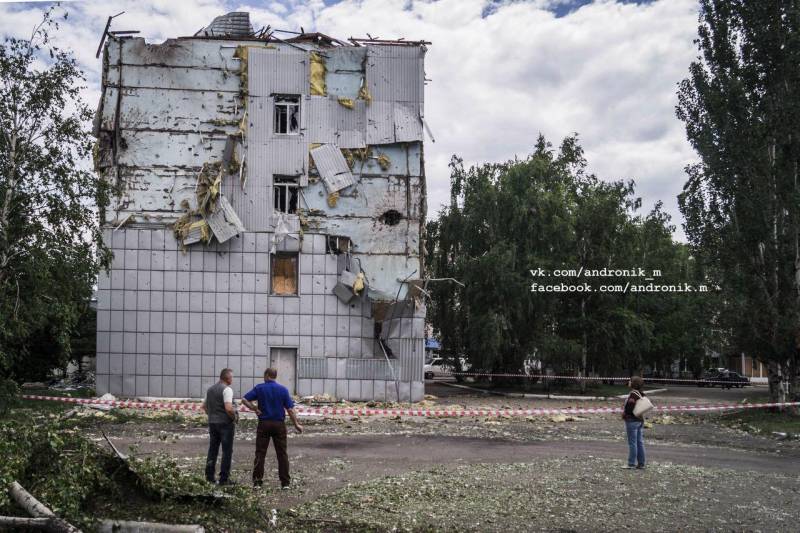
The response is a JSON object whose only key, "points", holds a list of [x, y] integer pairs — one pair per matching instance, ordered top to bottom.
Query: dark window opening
{"points": [[287, 114], [286, 194], [391, 217], [338, 245], [283, 274]]}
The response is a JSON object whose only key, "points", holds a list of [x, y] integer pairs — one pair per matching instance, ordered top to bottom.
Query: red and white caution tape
{"points": [[589, 378], [410, 412]]}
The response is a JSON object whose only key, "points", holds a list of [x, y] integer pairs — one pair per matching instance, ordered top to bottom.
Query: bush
{"points": [[9, 395]]}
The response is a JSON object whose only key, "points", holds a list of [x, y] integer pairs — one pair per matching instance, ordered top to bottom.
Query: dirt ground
{"points": [[515, 474]]}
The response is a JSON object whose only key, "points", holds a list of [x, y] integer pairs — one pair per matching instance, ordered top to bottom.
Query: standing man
{"points": [[273, 399], [218, 405]]}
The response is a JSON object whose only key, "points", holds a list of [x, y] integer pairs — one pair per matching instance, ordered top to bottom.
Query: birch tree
{"points": [[50, 246]]}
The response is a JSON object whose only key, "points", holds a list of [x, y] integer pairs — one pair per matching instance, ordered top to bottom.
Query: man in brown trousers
{"points": [[274, 401]]}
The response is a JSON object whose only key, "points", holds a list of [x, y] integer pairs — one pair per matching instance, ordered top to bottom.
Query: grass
{"points": [[762, 421]]}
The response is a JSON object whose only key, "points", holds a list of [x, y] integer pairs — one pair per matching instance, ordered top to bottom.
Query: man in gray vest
{"points": [[218, 405]]}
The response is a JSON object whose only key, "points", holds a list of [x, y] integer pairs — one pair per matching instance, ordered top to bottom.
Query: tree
{"points": [[741, 107], [546, 212], [50, 243]]}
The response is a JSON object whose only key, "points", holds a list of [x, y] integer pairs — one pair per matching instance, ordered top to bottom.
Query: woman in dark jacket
{"points": [[634, 425]]}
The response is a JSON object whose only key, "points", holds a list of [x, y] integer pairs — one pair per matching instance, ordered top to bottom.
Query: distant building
{"points": [[270, 210]]}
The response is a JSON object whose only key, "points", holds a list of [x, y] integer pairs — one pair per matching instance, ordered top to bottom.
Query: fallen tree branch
{"points": [[37, 509], [19, 521], [128, 526]]}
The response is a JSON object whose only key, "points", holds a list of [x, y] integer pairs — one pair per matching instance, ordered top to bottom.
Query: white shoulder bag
{"points": [[643, 405]]}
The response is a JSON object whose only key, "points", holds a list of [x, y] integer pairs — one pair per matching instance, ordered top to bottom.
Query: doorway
{"points": [[284, 360]]}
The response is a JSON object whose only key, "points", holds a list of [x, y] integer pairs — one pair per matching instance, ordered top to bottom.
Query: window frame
{"points": [[286, 101], [283, 184], [284, 255]]}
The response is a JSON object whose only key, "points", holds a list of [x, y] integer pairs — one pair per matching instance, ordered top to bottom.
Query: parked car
{"points": [[437, 367], [724, 378]]}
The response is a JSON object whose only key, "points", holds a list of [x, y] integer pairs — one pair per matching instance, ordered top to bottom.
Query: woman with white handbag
{"points": [[636, 405]]}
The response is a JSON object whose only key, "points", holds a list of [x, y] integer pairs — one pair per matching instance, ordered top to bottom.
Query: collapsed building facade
{"points": [[268, 211]]}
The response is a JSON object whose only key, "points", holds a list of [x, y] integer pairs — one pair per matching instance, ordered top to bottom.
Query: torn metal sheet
{"points": [[234, 24], [345, 70], [271, 71], [407, 122], [332, 167], [224, 221], [343, 292]]}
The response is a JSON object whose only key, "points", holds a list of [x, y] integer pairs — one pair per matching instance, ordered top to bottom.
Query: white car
{"points": [[436, 367]]}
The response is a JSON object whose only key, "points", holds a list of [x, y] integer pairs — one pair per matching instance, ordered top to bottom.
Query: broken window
{"points": [[287, 114], [285, 192], [337, 245], [284, 274]]}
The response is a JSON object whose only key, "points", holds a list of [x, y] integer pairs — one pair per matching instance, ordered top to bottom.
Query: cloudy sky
{"points": [[500, 72]]}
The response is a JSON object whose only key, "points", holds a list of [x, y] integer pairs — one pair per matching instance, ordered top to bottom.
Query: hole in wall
{"points": [[392, 217]]}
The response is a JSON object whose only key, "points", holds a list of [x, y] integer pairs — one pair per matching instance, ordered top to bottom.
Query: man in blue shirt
{"points": [[272, 398]]}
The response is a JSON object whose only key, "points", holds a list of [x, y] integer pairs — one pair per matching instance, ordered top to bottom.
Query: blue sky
{"points": [[501, 71]]}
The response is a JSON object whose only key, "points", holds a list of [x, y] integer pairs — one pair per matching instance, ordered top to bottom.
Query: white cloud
{"points": [[607, 70]]}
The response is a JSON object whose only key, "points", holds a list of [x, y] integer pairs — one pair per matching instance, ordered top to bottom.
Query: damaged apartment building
{"points": [[268, 211]]}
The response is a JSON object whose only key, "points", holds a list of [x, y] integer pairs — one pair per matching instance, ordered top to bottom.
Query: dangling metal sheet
{"points": [[332, 167], [224, 222]]}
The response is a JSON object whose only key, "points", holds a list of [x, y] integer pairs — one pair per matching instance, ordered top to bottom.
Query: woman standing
{"points": [[634, 425]]}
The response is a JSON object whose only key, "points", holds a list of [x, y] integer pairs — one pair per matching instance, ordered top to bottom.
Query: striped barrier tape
{"points": [[589, 378], [410, 412]]}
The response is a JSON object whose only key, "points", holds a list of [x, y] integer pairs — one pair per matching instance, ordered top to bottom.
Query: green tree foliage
{"points": [[741, 106], [545, 211], [50, 246]]}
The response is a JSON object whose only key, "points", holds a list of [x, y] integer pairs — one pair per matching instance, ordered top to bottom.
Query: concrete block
{"points": [[131, 239], [144, 239], [157, 239], [117, 240], [249, 242], [263, 242], [318, 243], [234, 244], [196, 257], [118, 260], [131, 260], [143, 260], [157, 260], [170, 260], [236, 260], [184, 261], [209, 261], [262, 262], [248, 263], [306, 264], [318, 264], [331, 264], [118, 279], [196, 280], [170, 281], [184, 281], [222, 281], [209, 282], [330, 282], [131, 283], [235, 283], [248, 283], [262, 283], [306, 284], [318, 284], [117, 300], [142, 301], [156, 301], [221, 302], [235, 302], [248, 302], [306, 304], [275, 305], [170, 318], [129, 320], [104, 321], [116, 321], [156, 322], [181, 322], [209, 322], [221, 322], [235, 322], [195, 323], [248, 324], [260, 325], [275, 325], [291, 325], [307, 325], [330, 325], [343, 326], [355, 327], [291, 340], [115, 342], [129, 343], [181, 343], [168, 344], [195, 344], [220, 344], [234, 344], [248, 344], [208, 345], [304, 346], [317, 346], [342, 347], [353, 347], [260, 348], [368, 348], [103, 361], [233, 362], [141, 363], [184, 363], [115, 364], [155, 364], [260, 364], [209, 367], [341, 368], [246, 370], [101, 383], [246, 384], [115, 385], [129, 385], [168, 386], [182, 387], [303, 387], [329, 387], [196, 389], [341, 389], [354, 389], [417, 391]]}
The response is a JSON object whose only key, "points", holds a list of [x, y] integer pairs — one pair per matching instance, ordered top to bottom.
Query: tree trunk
{"points": [[584, 347], [775, 379], [37, 509]]}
